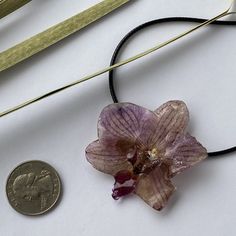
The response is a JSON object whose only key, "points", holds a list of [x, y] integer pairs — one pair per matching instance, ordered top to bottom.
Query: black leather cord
{"points": [[144, 26]]}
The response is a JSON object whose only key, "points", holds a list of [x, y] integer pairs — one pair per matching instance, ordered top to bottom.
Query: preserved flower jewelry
{"points": [[143, 150]]}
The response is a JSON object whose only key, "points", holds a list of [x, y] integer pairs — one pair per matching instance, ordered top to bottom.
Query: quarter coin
{"points": [[33, 188]]}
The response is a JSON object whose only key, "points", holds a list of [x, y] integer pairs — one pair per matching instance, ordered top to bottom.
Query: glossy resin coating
{"points": [[143, 150]]}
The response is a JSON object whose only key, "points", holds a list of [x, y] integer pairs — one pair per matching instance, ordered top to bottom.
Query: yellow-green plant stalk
{"points": [[8, 6], [56, 33]]}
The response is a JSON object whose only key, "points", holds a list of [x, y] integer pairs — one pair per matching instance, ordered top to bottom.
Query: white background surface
{"points": [[199, 70]]}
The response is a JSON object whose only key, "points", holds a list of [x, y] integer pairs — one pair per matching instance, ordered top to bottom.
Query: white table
{"points": [[199, 69]]}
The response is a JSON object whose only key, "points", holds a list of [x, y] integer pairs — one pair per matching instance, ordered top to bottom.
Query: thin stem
{"points": [[119, 64]]}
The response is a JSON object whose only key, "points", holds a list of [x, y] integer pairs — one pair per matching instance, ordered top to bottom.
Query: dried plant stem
{"points": [[131, 59]]}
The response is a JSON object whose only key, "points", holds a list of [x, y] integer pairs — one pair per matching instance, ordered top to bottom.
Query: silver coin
{"points": [[33, 188]]}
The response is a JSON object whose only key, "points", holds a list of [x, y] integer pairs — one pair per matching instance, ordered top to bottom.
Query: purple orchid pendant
{"points": [[143, 150]]}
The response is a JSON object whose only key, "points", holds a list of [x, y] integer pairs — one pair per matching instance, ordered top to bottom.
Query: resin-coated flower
{"points": [[143, 150]]}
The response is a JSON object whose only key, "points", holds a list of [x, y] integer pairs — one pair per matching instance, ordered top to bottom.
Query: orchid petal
{"points": [[173, 119], [127, 122], [185, 152], [107, 159], [155, 188]]}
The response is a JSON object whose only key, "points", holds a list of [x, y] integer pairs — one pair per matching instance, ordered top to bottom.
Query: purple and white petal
{"points": [[173, 118], [127, 122], [185, 152], [107, 159], [125, 183], [155, 188]]}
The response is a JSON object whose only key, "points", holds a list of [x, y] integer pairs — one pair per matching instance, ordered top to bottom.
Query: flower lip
{"points": [[125, 183]]}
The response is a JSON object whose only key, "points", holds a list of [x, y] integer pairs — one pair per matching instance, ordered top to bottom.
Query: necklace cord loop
{"points": [[148, 24]]}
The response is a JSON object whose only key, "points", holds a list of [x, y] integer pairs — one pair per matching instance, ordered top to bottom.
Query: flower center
{"points": [[153, 154], [146, 161]]}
